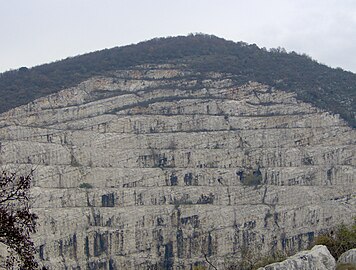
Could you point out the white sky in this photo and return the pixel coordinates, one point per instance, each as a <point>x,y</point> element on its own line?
<point>40,31</point>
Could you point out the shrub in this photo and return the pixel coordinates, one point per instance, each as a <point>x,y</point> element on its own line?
<point>252,260</point>
<point>85,185</point>
<point>252,178</point>
<point>274,258</point>
<point>338,241</point>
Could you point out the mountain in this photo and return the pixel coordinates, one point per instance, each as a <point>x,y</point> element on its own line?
<point>333,90</point>
<point>163,166</point>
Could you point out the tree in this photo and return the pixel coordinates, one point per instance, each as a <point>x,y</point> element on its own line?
<point>16,221</point>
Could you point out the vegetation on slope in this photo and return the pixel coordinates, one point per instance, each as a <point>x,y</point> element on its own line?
<point>340,240</point>
<point>331,89</point>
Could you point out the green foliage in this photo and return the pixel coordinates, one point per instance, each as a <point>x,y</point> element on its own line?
<point>85,185</point>
<point>252,260</point>
<point>345,266</point>
<point>253,178</point>
<point>338,241</point>
<point>330,89</point>
<point>266,260</point>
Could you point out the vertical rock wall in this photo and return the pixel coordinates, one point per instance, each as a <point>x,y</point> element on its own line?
<point>159,168</point>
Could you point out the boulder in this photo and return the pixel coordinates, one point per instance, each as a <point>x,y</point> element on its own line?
<point>348,257</point>
<point>318,258</point>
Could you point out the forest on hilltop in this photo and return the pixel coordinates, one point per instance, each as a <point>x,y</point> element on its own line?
<point>331,89</point>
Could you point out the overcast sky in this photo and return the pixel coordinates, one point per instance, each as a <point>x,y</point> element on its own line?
<point>40,31</point>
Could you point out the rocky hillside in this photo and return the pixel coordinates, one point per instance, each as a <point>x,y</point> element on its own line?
<point>333,90</point>
<point>163,167</point>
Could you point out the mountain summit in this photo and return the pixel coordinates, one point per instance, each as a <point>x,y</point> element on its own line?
<point>333,90</point>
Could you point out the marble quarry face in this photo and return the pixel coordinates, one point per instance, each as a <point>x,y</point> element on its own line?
<point>160,167</point>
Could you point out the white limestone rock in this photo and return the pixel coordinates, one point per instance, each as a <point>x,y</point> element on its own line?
<point>3,256</point>
<point>157,166</point>
<point>318,258</point>
<point>348,257</point>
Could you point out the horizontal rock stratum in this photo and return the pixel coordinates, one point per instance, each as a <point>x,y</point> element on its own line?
<point>160,167</point>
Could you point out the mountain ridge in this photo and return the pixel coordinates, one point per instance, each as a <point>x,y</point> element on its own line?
<point>333,90</point>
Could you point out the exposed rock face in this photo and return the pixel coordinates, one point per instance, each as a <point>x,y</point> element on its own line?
<point>181,165</point>
<point>3,255</point>
<point>348,257</point>
<point>318,258</point>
